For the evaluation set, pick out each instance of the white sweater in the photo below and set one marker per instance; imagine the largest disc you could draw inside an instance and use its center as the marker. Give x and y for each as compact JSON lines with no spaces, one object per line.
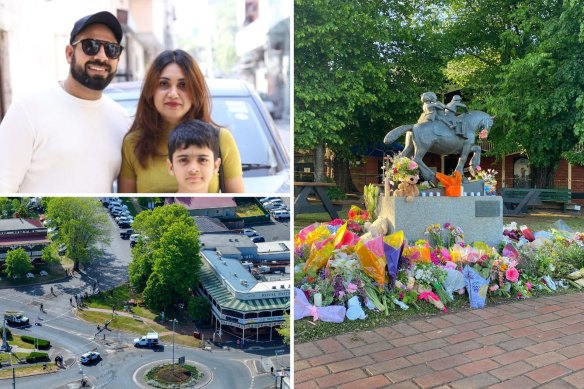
{"x":53,"y":142}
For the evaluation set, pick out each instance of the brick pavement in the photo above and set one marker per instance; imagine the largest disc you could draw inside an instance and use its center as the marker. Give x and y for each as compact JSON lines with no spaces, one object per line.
{"x":533,"y":343}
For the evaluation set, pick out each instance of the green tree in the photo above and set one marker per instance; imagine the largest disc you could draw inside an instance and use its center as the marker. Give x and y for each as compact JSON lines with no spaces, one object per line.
{"x":176,"y":265}
{"x":17,"y":263}
{"x":83,"y":226}
{"x":166,"y":259}
{"x":284,"y":330}
{"x":50,"y":255}
{"x":521,"y":60}
{"x":8,"y":207}
{"x":199,"y":308}
{"x":151,"y":225}
{"x":359,"y":68}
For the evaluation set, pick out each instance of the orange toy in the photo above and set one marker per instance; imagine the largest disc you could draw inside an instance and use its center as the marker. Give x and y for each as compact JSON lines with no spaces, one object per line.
{"x":451,"y":184}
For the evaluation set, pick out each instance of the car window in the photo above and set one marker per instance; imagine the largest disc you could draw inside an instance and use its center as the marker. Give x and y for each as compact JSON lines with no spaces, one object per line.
{"x":241,"y":117}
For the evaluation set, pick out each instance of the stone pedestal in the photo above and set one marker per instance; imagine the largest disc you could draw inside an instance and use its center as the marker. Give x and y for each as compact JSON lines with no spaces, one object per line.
{"x":481,"y":218}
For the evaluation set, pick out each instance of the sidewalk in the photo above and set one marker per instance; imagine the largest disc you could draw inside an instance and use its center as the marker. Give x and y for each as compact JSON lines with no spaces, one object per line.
{"x":526,"y":344}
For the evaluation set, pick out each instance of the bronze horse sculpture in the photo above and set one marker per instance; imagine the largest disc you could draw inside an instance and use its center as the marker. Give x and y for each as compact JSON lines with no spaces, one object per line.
{"x":436,"y":137}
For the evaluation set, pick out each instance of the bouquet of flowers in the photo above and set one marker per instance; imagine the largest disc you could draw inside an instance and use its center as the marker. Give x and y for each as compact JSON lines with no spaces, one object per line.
{"x":401,"y":168}
{"x":445,"y":236}
{"x":488,"y":176}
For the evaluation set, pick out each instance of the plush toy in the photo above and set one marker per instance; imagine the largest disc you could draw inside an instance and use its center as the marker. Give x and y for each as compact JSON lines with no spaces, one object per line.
{"x":451,"y":184}
{"x":407,"y":188}
{"x":380,"y":227}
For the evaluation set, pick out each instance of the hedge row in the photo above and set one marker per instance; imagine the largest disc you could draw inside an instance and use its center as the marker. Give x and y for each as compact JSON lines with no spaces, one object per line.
{"x":41,"y":343}
{"x":36,"y":357}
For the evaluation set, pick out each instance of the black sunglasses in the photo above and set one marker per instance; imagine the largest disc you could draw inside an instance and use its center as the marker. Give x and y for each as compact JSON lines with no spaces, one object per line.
{"x":92,"y":46}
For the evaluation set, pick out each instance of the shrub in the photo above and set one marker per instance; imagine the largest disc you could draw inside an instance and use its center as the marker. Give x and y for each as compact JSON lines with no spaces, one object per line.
{"x":36,"y":357}
{"x":41,"y":343}
{"x":569,"y":259}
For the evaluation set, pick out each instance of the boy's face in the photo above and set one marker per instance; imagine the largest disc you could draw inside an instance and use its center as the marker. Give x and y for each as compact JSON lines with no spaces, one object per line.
{"x":193,"y":167}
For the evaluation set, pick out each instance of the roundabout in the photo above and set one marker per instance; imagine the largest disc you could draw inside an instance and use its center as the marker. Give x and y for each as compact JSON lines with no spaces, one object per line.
{"x":141,"y":380}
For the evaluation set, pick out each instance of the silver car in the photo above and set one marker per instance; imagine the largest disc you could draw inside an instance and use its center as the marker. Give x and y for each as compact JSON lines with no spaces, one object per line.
{"x":264,"y":157}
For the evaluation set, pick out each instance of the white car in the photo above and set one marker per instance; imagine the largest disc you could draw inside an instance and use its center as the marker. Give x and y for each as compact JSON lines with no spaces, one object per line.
{"x":89,"y":357}
{"x":29,"y":275}
{"x":250,"y":232}
{"x":264,"y":157}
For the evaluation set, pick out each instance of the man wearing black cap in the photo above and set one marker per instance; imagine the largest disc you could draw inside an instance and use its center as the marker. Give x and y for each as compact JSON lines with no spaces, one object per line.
{"x":68,"y":137}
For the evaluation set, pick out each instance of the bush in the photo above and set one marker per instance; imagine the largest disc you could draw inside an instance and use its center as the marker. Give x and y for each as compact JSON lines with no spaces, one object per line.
{"x":41,"y":343}
{"x":569,"y":259}
{"x":36,"y":357}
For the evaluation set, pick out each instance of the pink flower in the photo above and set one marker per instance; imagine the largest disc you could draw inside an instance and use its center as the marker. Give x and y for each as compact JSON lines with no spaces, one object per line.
{"x":512,"y":274}
{"x":412,"y":165}
{"x":483,"y":134}
{"x":479,"y":168}
{"x":528,"y":285}
{"x":351,"y":288}
{"x":493,"y":288}
{"x":341,"y":294}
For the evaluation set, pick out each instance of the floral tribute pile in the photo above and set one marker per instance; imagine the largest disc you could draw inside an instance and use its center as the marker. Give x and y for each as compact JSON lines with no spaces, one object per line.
{"x":341,"y":272}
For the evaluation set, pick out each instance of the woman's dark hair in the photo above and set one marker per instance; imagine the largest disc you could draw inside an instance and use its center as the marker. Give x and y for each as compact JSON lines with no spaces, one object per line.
{"x":148,"y":123}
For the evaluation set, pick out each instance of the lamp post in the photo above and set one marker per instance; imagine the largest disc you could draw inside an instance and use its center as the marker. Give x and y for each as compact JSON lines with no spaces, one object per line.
{"x":173,"y":322}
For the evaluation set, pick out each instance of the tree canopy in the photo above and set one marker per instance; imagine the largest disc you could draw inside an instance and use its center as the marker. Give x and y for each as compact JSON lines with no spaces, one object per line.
{"x":82,"y":225}
{"x":166,"y":258}
{"x":17,"y":263}
{"x":360,"y":67}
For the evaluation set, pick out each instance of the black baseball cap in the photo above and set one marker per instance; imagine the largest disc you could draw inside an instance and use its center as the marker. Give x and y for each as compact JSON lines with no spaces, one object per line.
{"x":103,"y":17}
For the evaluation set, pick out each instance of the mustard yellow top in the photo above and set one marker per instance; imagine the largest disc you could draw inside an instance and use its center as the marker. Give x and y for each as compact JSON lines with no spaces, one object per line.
{"x":156,"y":179}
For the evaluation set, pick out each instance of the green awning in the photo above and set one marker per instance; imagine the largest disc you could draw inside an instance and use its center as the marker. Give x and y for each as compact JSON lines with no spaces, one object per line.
{"x":225,"y":299}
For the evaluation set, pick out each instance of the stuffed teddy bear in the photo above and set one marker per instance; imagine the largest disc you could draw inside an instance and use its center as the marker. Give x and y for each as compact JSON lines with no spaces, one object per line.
{"x":380,"y":227}
{"x":407,"y":188}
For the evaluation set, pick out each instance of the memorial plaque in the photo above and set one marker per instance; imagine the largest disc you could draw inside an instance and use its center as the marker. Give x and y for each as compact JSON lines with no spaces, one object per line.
{"x":487,"y":208}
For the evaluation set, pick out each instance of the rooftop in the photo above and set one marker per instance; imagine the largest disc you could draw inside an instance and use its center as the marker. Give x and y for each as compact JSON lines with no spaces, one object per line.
{"x":207,"y":224}
{"x":19,"y":224}
{"x":274,"y":247}
{"x":203,"y":202}
{"x":225,"y":299}
{"x":221,"y":241}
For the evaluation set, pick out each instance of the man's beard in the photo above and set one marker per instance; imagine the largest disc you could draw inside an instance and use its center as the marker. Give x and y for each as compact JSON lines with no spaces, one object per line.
{"x":95,"y":83}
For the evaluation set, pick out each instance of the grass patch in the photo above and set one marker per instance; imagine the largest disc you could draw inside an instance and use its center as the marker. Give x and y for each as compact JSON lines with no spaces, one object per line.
{"x":248,"y":210}
{"x":28,"y":370}
{"x":9,"y":358}
{"x":121,"y":295}
{"x":184,"y":340}
{"x":17,"y":341}
{"x":121,"y":323}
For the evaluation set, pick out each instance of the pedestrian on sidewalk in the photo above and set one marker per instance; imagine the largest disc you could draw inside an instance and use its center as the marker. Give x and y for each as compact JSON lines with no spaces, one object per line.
{"x":52,"y":291}
{"x":113,"y":309}
{"x":71,"y":301}
{"x":272,"y":370}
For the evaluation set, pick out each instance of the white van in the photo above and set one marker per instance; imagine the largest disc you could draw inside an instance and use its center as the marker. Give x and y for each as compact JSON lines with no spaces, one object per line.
{"x":280,"y":214}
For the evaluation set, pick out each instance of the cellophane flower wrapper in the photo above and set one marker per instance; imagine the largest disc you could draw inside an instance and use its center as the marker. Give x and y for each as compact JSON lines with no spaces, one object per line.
{"x":476,"y":287}
{"x":320,"y":253}
{"x":372,"y":257}
{"x":302,"y":308}
{"x":417,"y":253}
{"x":393,"y":248}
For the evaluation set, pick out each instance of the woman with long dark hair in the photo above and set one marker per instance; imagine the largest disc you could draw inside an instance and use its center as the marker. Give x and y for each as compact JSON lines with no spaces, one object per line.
{"x":174,"y":91}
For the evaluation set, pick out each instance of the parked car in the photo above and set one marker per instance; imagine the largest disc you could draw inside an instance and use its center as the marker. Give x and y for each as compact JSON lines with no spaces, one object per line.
{"x":124,"y":225}
{"x":89,"y":357}
{"x":126,"y":234}
{"x":264,"y":157}
{"x":281,"y":214}
{"x":258,"y":239}
{"x":249,"y":232}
